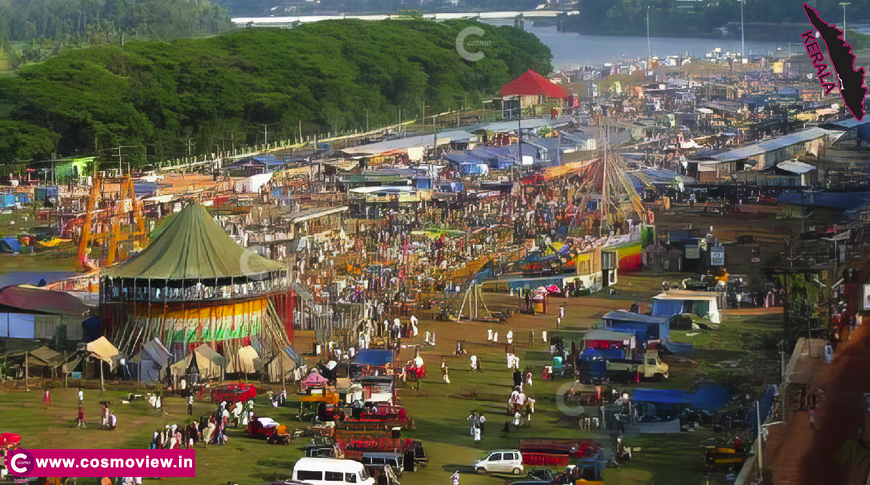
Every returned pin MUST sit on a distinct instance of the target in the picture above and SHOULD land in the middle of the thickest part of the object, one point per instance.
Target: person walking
(81, 396)
(47, 398)
(80, 417)
(455, 477)
(190, 405)
(445, 372)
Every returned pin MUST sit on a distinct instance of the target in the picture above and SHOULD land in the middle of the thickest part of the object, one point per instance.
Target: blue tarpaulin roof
(661, 396)
(707, 397)
(374, 357)
(833, 200)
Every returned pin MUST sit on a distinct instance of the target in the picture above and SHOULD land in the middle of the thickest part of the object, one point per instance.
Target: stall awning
(374, 357)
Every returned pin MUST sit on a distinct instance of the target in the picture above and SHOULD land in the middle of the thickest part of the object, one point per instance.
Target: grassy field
(439, 410)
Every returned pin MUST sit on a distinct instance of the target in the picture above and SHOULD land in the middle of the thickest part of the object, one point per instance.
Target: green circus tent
(193, 246)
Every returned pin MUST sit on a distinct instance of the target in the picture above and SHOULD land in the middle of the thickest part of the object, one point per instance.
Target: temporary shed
(245, 361)
(30, 312)
(41, 360)
(252, 184)
(645, 327)
(10, 245)
(678, 302)
(767, 153)
(281, 365)
(204, 360)
(153, 360)
(708, 397)
(32, 298)
(103, 350)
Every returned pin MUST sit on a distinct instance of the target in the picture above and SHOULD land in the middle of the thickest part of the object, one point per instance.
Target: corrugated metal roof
(424, 141)
(771, 145)
(306, 215)
(506, 126)
(608, 335)
(625, 316)
(794, 166)
(851, 123)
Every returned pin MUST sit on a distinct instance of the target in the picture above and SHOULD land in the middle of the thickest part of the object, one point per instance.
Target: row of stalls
(153, 364)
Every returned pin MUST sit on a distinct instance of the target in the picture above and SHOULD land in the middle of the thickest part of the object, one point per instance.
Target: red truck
(379, 412)
(355, 445)
(557, 453)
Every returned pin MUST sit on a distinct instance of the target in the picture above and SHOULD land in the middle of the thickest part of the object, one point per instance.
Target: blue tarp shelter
(10, 245)
(152, 360)
(661, 396)
(611, 353)
(374, 357)
(707, 397)
(91, 328)
(645, 327)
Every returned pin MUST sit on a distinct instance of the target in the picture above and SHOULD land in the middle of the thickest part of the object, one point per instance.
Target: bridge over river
(288, 21)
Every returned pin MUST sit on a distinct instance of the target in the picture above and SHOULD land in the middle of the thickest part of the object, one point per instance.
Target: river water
(574, 50)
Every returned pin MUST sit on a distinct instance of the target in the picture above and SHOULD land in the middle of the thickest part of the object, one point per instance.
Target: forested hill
(326, 75)
(74, 22)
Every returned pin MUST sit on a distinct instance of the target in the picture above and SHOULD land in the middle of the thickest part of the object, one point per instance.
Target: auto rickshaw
(724, 456)
(558, 364)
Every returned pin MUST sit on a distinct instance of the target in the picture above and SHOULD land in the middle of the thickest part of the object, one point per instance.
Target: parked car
(501, 461)
(395, 460)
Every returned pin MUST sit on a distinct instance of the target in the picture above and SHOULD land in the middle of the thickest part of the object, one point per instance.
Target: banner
(102, 463)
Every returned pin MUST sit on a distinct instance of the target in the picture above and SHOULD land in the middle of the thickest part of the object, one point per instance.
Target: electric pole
(742, 36)
(648, 44)
(843, 4)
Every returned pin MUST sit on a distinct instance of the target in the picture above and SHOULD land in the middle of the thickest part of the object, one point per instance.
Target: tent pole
(283, 379)
(102, 380)
(27, 371)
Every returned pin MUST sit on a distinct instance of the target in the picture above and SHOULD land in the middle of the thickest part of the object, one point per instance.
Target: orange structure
(110, 222)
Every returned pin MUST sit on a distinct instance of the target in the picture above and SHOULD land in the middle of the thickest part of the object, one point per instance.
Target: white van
(331, 471)
(501, 461)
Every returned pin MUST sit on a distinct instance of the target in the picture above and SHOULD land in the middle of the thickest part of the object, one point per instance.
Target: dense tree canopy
(327, 75)
(103, 21)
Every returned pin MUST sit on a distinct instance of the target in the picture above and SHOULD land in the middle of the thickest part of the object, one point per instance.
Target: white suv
(501, 461)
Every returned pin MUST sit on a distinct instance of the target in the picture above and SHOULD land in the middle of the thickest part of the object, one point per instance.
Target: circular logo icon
(251, 270)
(21, 463)
(460, 44)
(565, 404)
